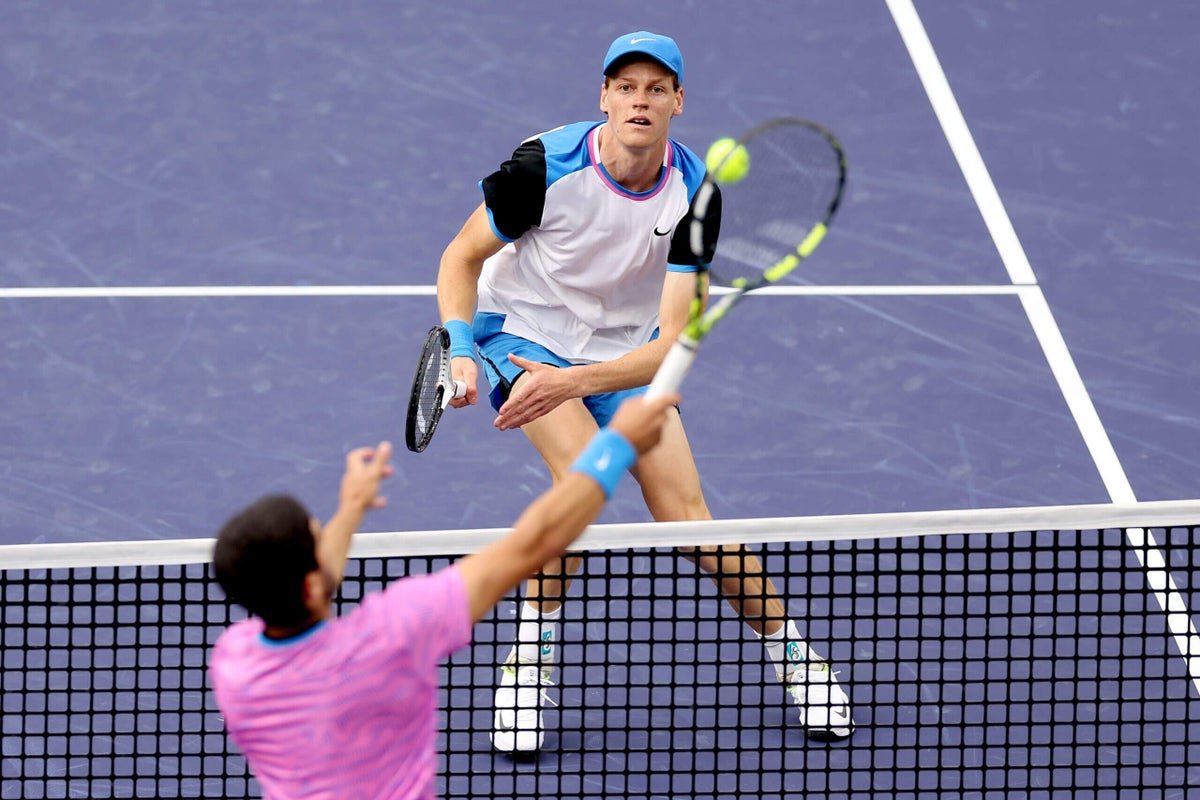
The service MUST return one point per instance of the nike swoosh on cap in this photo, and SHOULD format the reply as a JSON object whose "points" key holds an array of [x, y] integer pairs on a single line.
{"points": [[635, 41]]}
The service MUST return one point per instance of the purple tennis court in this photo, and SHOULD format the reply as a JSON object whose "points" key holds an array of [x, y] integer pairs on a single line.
{"points": [[220, 227]]}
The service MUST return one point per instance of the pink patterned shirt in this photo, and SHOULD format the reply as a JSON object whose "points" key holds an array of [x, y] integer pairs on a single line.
{"points": [[347, 709]]}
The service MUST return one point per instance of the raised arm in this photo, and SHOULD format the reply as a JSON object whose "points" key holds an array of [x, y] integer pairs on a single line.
{"points": [[366, 467], [558, 517], [458, 277]]}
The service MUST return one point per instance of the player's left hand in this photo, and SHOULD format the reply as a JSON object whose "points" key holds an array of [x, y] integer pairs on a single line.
{"points": [[540, 390], [366, 467]]}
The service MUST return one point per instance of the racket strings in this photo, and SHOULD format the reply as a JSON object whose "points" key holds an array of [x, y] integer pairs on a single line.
{"points": [[429, 399], [428, 391], [793, 185]]}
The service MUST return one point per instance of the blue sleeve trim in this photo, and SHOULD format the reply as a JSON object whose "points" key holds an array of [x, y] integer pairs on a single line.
{"points": [[492, 222], [684, 267]]}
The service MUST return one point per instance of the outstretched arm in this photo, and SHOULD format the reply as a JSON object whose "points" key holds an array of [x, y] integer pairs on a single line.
{"points": [[366, 467], [458, 276], [558, 517]]}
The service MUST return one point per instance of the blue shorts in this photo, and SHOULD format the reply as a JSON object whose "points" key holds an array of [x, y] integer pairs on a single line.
{"points": [[494, 347]]}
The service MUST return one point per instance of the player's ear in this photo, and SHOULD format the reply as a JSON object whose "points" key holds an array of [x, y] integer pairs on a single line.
{"points": [[317, 592], [678, 103], [604, 97]]}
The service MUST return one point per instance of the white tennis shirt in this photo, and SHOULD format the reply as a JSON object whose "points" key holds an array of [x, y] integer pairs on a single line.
{"points": [[582, 273]]}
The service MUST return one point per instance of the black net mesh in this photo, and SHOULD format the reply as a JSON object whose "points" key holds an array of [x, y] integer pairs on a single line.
{"points": [[1034, 663]]}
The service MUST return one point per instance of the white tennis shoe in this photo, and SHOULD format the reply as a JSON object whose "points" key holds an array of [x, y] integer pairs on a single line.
{"points": [[823, 704], [517, 725]]}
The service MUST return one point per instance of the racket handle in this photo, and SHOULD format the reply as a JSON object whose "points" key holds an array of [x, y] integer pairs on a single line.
{"points": [[460, 390], [673, 369]]}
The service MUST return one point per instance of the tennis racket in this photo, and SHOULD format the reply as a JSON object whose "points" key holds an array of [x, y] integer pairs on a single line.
{"points": [[432, 390], [769, 222]]}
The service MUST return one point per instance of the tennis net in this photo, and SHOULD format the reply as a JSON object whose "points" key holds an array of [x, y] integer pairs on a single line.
{"points": [[990, 653]]}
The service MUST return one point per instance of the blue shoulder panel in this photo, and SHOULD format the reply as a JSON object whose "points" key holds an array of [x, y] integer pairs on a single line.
{"points": [[692, 167], [566, 150]]}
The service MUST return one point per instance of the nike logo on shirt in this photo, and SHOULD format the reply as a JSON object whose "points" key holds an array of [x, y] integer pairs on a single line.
{"points": [[657, 232]]}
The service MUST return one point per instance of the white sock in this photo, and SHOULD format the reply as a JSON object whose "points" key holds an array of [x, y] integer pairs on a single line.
{"points": [[537, 635], [786, 650]]}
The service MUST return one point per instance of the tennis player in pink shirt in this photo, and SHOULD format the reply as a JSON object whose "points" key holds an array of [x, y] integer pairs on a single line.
{"points": [[346, 707]]}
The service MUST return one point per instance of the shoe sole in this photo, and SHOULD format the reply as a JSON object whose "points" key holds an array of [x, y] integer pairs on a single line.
{"points": [[519, 755], [516, 755], [827, 734]]}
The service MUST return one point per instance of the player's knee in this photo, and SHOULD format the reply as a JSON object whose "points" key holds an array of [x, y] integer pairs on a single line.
{"points": [[680, 509]]}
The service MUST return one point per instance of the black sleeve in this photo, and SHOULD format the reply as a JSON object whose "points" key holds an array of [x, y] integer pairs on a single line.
{"points": [[681, 243], [515, 194]]}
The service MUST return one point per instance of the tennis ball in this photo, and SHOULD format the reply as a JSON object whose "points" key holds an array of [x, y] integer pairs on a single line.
{"points": [[727, 161]]}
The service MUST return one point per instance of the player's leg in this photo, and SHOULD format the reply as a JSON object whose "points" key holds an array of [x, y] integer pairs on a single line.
{"points": [[559, 437], [528, 668], [671, 486]]}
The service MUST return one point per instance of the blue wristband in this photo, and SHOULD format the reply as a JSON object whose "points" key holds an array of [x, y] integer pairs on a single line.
{"points": [[462, 340], [606, 459]]}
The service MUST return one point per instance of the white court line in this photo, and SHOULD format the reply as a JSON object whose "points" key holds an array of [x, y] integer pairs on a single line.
{"points": [[109, 292], [954, 126], [152, 292]]}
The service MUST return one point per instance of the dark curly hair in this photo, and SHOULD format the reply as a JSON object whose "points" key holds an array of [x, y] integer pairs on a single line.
{"points": [[261, 557]]}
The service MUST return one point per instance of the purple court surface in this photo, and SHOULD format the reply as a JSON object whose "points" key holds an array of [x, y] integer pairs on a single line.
{"points": [[1004, 314]]}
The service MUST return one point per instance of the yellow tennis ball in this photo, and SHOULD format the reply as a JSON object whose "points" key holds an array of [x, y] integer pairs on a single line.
{"points": [[727, 161]]}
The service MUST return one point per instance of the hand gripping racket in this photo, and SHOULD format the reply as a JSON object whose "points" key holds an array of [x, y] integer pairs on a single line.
{"points": [[769, 222], [432, 390]]}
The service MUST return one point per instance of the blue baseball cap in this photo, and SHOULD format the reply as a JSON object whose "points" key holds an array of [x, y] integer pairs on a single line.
{"points": [[658, 47]]}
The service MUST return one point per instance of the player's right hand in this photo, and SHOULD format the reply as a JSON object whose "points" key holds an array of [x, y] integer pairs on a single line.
{"points": [[464, 369], [641, 421]]}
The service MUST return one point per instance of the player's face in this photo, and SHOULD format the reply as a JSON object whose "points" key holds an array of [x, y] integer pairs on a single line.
{"points": [[640, 100]]}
